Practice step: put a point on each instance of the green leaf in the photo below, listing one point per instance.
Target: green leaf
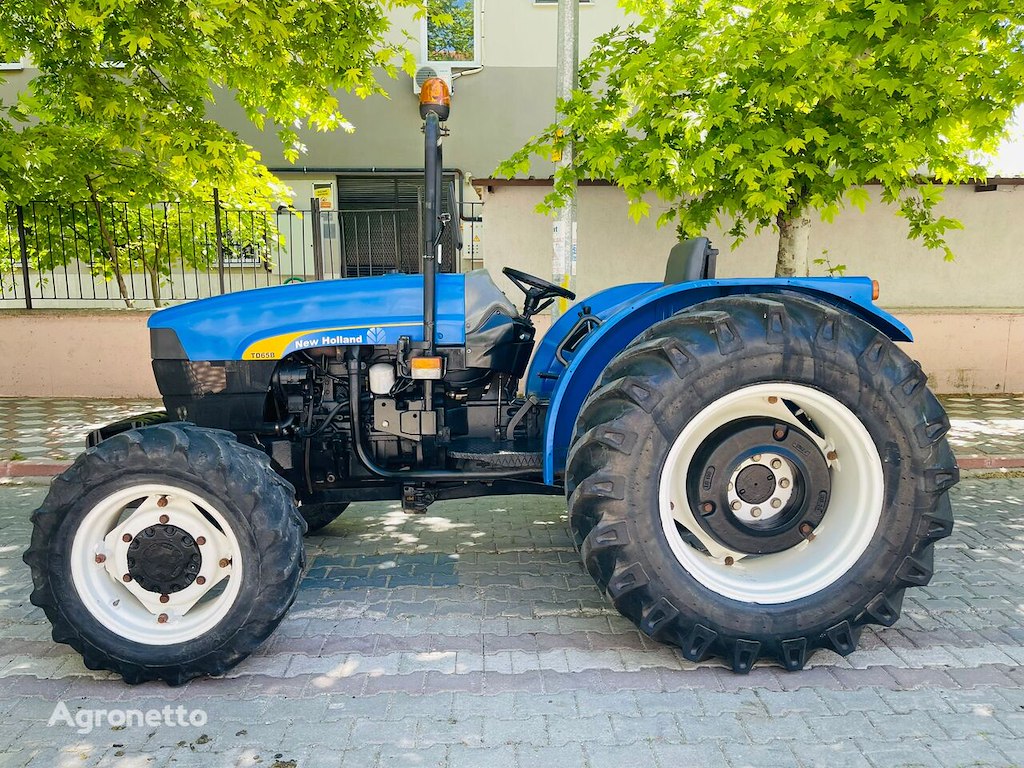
(858, 197)
(121, 91)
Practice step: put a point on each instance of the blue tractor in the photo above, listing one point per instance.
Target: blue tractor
(752, 467)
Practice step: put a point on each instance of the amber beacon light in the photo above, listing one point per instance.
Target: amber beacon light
(435, 97)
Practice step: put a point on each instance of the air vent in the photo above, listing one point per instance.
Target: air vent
(428, 71)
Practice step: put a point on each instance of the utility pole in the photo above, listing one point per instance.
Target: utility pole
(564, 228)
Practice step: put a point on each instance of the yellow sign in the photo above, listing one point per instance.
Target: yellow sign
(325, 194)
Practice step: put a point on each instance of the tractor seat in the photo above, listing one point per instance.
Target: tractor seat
(691, 260)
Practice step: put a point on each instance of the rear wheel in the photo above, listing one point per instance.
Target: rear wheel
(760, 476)
(167, 552)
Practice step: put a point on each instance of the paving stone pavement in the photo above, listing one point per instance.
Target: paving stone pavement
(471, 636)
(55, 428)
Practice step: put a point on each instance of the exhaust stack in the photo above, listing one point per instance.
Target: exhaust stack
(435, 106)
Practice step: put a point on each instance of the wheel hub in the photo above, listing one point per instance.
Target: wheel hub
(755, 484)
(760, 488)
(758, 484)
(164, 559)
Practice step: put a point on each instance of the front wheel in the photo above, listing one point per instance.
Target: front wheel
(166, 553)
(320, 515)
(760, 476)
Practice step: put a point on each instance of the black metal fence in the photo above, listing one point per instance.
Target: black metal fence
(152, 254)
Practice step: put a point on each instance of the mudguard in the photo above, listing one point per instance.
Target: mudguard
(637, 308)
(270, 323)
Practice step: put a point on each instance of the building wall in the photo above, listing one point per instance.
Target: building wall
(986, 273)
(75, 353)
(494, 111)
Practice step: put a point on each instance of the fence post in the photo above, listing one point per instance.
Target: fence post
(318, 242)
(220, 238)
(23, 244)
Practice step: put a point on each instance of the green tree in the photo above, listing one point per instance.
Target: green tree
(121, 94)
(117, 110)
(767, 111)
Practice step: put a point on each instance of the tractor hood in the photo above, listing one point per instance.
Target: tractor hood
(269, 323)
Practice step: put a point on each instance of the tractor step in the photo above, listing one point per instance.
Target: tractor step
(502, 454)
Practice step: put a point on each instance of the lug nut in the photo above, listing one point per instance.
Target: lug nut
(779, 433)
(126, 538)
(776, 503)
(224, 562)
(200, 580)
(831, 455)
(755, 512)
(164, 598)
(776, 463)
(707, 507)
(729, 560)
(161, 619)
(806, 529)
(164, 519)
(101, 558)
(773, 400)
(756, 457)
(162, 501)
(127, 577)
(784, 482)
(201, 540)
(737, 504)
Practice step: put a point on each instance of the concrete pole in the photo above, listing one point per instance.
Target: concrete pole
(564, 228)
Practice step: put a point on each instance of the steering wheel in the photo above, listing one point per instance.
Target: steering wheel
(539, 293)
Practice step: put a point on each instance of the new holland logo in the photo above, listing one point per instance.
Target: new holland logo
(376, 335)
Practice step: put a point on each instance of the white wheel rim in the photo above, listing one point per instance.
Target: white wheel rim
(838, 542)
(99, 561)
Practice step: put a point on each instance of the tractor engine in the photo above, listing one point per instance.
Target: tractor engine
(459, 422)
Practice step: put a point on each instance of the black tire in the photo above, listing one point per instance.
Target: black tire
(257, 505)
(661, 381)
(319, 516)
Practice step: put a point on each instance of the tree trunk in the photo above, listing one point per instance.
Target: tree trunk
(794, 234)
(154, 276)
(108, 239)
(154, 272)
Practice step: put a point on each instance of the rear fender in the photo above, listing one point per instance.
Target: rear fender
(546, 368)
(635, 315)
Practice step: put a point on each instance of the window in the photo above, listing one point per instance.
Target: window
(451, 33)
(380, 226)
(10, 61)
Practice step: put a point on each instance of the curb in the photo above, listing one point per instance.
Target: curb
(11, 470)
(991, 462)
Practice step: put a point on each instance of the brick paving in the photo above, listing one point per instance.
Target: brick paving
(471, 636)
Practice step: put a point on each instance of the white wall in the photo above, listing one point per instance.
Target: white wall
(987, 272)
